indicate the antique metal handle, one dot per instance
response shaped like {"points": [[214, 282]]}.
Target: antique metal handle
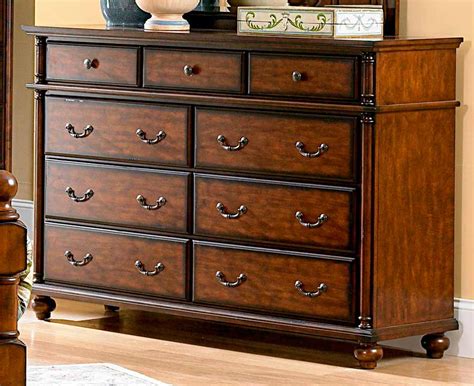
{"points": [[72, 195], [159, 203], [188, 70], [222, 280], [297, 76], [159, 137], [159, 267], [72, 131], [321, 220], [222, 210], [89, 63], [311, 294], [323, 148], [223, 142], [70, 258]]}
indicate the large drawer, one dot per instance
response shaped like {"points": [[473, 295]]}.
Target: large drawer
{"points": [[283, 144], [193, 70], [92, 64], [114, 195], [327, 77], [116, 260], [259, 279], [115, 130], [303, 214]]}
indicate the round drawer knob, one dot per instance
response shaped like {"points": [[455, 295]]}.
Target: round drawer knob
{"points": [[88, 64], [297, 76], [188, 70]]}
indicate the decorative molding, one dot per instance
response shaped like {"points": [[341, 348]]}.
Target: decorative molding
{"points": [[462, 341], [26, 210]]}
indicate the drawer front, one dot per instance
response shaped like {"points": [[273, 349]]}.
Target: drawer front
{"points": [[193, 70], [110, 195], [109, 260], [93, 64], [265, 211], [284, 144], [126, 131], [267, 281], [316, 77]]}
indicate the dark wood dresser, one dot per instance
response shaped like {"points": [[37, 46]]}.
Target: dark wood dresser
{"points": [[297, 185]]}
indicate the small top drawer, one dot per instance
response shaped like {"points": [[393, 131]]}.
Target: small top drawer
{"points": [[93, 64], [209, 71], [326, 77]]}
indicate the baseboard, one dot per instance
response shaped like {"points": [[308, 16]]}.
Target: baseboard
{"points": [[462, 341], [26, 210]]}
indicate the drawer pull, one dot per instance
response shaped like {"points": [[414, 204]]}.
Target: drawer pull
{"points": [[323, 148], [70, 257], [159, 203], [188, 70], [90, 64], [321, 220], [223, 142], [321, 289], [231, 216], [159, 137], [72, 195], [297, 76], [159, 267], [72, 131], [222, 280]]}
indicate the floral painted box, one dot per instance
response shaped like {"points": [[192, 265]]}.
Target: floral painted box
{"points": [[336, 22]]}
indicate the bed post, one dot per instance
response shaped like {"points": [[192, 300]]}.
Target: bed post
{"points": [[12, 263]]}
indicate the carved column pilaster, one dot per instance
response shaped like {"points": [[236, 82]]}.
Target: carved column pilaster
{"points": [[368, 79], [367, 124]]}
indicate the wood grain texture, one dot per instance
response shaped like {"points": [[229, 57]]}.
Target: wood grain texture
{"points": [[271, 143], [109, 65], [272, 75], [13, 363], [114, 130], [416, 76], [271, 212], [270, 283], [115, 195], [212, 71], [414, 217], [113, 264]]}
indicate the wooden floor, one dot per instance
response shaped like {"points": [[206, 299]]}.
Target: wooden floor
{"points": [[184, 352]]}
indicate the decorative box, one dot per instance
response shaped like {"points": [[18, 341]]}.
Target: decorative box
{"points": [[334, 21]]}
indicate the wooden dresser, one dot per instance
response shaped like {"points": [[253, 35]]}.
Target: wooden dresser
{"points": [[297, 185]]}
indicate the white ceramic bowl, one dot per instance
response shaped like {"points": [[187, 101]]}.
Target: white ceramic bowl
{"points": [[246, 3], [167, 15]]}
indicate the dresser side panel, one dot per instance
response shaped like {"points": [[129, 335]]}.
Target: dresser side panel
{"points": [[414, 217], [415, 76]]}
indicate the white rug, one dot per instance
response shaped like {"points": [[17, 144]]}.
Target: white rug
{"points": [[100, 374]]}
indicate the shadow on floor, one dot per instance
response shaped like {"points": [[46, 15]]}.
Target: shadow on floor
{"points": [[220, 336]]}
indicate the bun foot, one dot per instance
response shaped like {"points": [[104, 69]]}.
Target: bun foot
{"points": [[111, 308], [43, 306], [368, 356], [435, 345]]}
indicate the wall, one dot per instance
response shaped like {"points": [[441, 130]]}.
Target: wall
{"points": [[23, 62], [418, 18]]}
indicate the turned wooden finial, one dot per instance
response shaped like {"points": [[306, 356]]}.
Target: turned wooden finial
{"points": [[8, 189]]}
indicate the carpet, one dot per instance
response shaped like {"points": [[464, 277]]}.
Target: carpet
{"points": [[100, 374]]}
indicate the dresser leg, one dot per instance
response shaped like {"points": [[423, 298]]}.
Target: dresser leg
{"points": [[435, 345], [111, 308], [368, 355], [43, 306]]}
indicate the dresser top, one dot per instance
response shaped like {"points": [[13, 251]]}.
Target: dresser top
{"points": [[231, 41]]}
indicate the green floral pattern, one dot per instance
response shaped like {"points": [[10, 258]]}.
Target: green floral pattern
{"points": [[287, 20]]}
